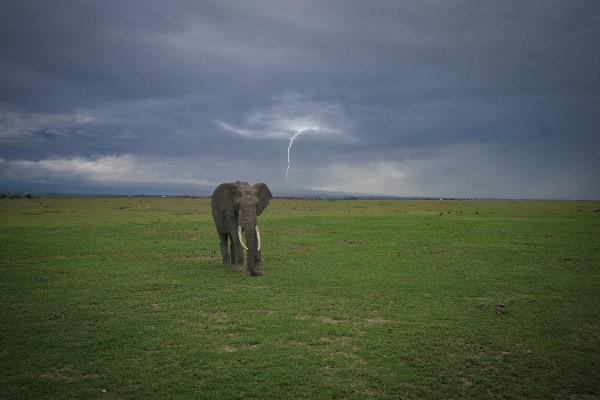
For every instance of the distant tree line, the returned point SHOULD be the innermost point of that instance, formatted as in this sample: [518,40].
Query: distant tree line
[16,196]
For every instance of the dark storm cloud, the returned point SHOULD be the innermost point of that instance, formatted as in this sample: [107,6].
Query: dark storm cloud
[459,97]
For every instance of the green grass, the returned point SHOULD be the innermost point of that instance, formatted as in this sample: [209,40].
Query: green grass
[127,298]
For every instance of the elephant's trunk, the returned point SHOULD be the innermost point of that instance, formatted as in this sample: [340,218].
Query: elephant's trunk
[252,244]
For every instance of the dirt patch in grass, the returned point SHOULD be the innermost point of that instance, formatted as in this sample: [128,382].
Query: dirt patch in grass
[66,374]
[203,318]
[325,319]
[193,236]
[337,340]
[355,241]
[446,251]
[293,231]
[233,349]
[328,320]
[200,258]
[217,317]
[377,321]
[302,248]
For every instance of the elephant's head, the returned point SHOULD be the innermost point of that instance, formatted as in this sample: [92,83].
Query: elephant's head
[249,201]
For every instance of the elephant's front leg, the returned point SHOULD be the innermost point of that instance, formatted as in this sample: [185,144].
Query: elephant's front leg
[237,253]
[232,251]
[258,260]
[223,238]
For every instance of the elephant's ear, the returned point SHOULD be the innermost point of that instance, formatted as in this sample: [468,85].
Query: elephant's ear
[223,196]
[264,195]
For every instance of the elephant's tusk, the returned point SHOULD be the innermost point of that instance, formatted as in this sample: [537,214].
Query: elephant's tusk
[240,237]
[258,237]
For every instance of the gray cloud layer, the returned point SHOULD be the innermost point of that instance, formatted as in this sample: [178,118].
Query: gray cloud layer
[456,98]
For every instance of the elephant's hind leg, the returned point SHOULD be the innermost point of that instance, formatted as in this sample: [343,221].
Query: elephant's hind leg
[223,238]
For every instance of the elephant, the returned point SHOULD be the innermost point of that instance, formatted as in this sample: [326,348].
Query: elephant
[235,208]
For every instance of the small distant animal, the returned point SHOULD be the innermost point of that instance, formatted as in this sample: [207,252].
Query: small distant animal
[500,308]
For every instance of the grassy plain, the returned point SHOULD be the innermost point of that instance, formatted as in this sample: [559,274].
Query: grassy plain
[127,298]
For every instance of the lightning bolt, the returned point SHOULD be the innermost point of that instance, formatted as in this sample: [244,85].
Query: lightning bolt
[298,133]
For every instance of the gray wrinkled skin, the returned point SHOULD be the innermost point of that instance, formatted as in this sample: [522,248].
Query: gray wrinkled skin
[239,204]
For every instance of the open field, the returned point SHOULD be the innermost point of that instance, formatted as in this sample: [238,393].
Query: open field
[127,298]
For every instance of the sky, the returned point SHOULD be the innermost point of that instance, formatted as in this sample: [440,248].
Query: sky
[457,98]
